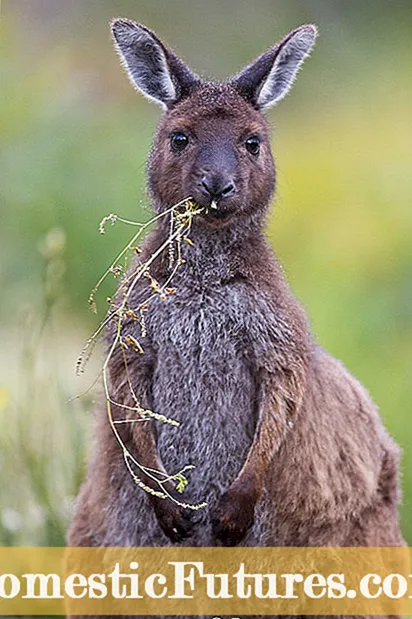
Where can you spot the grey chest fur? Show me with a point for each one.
(205, 378)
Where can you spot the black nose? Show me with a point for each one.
(217, 186)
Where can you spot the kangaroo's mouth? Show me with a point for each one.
(214, 214)
(218, 215)
(216, 218)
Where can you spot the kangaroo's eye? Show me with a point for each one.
(179, 141)
(253, 145)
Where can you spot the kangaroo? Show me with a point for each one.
(288, 448)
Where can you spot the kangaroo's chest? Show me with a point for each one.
(203, 352)
(205, 378)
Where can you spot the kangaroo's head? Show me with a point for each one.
(212, 142)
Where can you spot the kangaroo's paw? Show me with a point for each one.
(176, 523)
(233, 517)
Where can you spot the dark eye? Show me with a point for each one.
(253, 145)
(179, 141)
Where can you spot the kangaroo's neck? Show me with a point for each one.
(213, 255)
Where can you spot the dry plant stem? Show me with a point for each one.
(88, 348)
(132, 242)
(126, 453)
(180, 223)
(137, 408)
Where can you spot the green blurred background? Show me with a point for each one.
(73, 143)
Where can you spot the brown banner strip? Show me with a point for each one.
(205, 581)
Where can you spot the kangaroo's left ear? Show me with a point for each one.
(270, 77)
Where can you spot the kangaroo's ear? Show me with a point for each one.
(270, 77)
(152, 68)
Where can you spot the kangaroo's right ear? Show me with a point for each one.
(152, 68)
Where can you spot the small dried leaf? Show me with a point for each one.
(132, 341)
(92, 304)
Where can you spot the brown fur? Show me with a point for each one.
(311, 463)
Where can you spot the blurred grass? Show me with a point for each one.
(73, 145)
(44, 431)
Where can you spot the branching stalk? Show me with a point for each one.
(181, 217)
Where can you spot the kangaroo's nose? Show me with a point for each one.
(217, 187)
